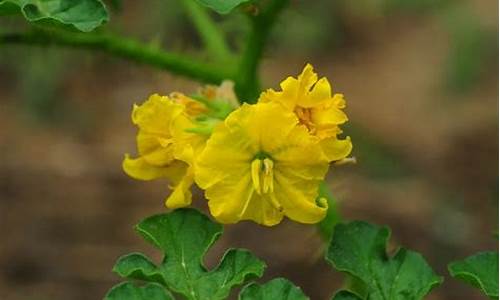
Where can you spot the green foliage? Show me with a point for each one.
(128, 291)
(276, 289)
(359, 249)
(479, 270)
(345, 295)
(222, 6)
(83, 15)
(184, 236)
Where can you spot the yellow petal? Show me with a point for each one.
(229, 199)
(330, 116)
(320, 93)
(293, 90)
(187, 144)
(339, 101)
(184, 152)
(147, 142)
(156, 114)
(181, 195)
(235, 200)
(139, 169)
(336, 149)
(265, 126)
(299, 148)
(153, 152)
(290, 91)
(307, 78)
(288, 102)
(226, 153)
(328, 131)
(155, 118)
(299, 168)
(191, 107)
(298, 197)
(261, 211)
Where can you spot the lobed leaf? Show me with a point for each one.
(479, 270)
(222, 6)
(137, 266)
(345, 295)
(184, 236)
(128, 291)
(276, 289)
(359, 249)
(83, 15)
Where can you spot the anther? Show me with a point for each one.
(256, 169)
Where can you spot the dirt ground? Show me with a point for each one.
(67, 210)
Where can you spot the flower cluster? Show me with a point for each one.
(256, 162)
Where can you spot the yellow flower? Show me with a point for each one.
(165, 148)
(320, 112)
(193, 108)
(259, 165)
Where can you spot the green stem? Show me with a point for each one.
(247, 80)
(212, 37)
(125, 48)
(244, 74)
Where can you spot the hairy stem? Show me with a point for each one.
(244, 73)
(247, 79)
(125, 48)
(212, 37)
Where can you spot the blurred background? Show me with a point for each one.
(421, 82)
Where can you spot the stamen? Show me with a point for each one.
(345, 161)
(262, 169)
(268, 181)
(305, 118)
(262, 175)
(256, 168)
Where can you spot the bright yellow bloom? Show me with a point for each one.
(259, 165)
(320, 112)
(192, 107)
(165, 148)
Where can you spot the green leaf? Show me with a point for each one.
(138, 266)
(276, 289)
(7, 8)
(128, 291)
(185, 235)
(84, 15)
(222, 6)
(359, 249)
(345, 295)
(479, 270)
